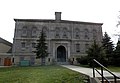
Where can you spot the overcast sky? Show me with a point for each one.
(99, 11)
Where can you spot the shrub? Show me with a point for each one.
(82, 60)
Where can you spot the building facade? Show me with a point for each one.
(5, 52)
(66, 40)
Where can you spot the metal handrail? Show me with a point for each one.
(103, 67)
(103, 76)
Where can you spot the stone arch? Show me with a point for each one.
(61, 54)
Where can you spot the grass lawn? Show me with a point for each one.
(114, 69)
(41, 74)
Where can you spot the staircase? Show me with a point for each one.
(62, 63)
(112, 78)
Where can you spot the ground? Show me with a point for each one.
(42, 74)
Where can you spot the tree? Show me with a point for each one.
(117, 55)
(41, 48)
(96, 52)
(108, 46)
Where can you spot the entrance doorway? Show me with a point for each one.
(61, 54)
(7, 62)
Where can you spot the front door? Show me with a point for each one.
(61, 54)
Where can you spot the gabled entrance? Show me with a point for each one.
(61, 54)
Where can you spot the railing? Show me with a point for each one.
(101, 73)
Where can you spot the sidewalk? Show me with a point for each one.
(88, 71)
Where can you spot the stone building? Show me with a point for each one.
(5, 52)
(65, 39)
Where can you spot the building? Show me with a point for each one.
(66, 39)
(5, 52)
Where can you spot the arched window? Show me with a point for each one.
(65, 31)
(77, 33)
(24, 31)
(34, 31)
(57, 32)
(94, 34)
(86, 34)
(45, 30)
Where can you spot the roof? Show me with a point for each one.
(5, 42)
(54, 21)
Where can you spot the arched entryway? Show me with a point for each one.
(61, 54)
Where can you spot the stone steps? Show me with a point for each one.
(62, 63)
(111, 79)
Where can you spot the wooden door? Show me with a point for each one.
(7, 62)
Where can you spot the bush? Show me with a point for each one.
(116, 62)
(82, 60)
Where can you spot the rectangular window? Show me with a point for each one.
(23, 44)
(77, 47)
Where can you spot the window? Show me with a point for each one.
(34, 32)
(86, 34)
(33, 45)
(45, 30)
(24, 31)
(77, 33)
(86, 46)
(23, 44)
(94, 34)
(77, 47)
(64, 32)
(57, 32)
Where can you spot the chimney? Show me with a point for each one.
(57, 16)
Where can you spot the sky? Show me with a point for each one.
(98, 11)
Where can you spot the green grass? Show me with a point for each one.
(114, 69)
(42, 74)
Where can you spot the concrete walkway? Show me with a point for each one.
(88, 71)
